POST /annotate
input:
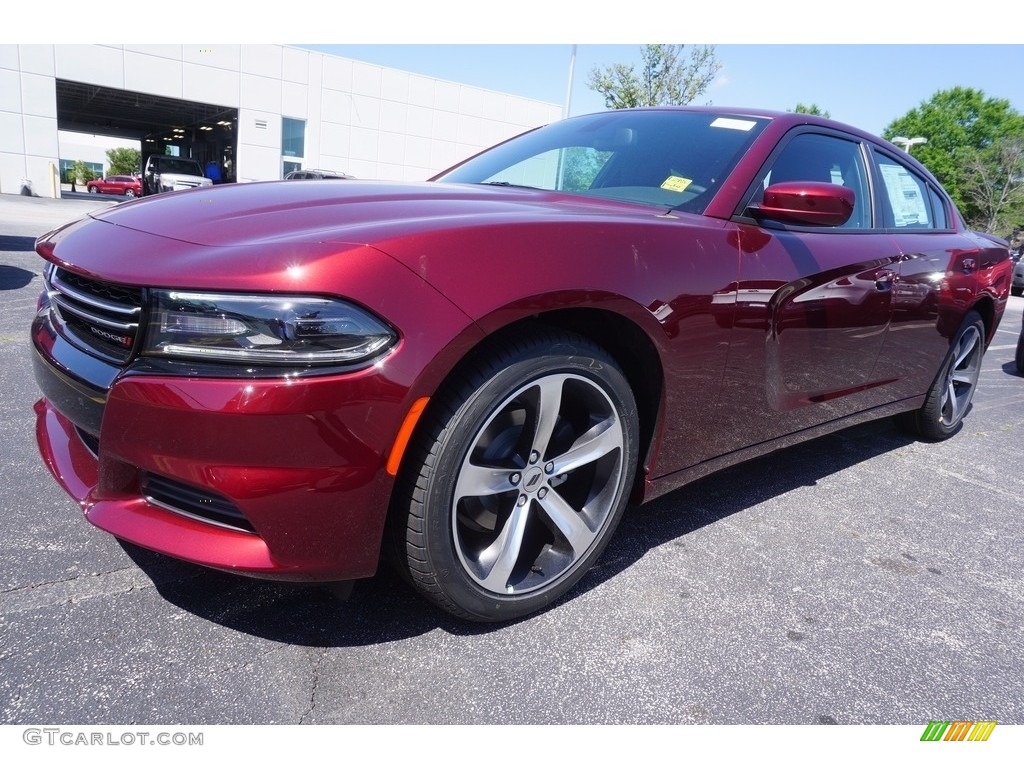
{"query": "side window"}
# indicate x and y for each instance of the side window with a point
(817, 157)
(939, 211)
(908, 200)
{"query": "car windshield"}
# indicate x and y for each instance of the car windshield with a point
(661, 157)
(180, 165)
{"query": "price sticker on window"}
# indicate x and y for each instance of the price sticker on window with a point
(676, 183)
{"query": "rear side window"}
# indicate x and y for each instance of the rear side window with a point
(939, 211)
(908, 201)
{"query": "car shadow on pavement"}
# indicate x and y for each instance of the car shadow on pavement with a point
(384, 608)
(17, 243)
(13, 278)
(381, 609)
(721, 494)
(1011, 368)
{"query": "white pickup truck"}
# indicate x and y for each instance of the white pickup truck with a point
(166, 173)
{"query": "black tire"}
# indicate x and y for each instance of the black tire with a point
(950, 396)
(499, 510)
(1017, 291)
(1019, 359)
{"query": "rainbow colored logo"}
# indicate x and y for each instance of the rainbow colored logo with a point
(958, 730)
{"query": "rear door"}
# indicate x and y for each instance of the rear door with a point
(939, 273)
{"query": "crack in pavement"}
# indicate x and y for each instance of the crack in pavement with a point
(316, 684)
(74, 590)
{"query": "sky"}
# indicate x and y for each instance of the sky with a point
(865, 85)
(866, 63)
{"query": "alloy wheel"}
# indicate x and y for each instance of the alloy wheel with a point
(961, 377)
(539, 484)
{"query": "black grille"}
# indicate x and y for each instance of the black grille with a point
(194, 502)
(126, 295)
(98, 317)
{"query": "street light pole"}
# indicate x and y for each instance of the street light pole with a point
(908, 143)
(568, 88)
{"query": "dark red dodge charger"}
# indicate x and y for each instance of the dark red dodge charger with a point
(478, 373)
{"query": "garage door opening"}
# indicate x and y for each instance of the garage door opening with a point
(206, 133)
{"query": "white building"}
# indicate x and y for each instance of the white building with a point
(257, 110)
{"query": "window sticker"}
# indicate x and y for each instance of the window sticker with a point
(732, 122)
(676, 183)
(909, 208)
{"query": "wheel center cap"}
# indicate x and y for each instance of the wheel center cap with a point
(533, 480)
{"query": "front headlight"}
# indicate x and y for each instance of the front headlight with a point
(263, 329)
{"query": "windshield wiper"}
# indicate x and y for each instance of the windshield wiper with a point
(507, 184)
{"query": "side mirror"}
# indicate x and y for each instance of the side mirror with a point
(806, 202)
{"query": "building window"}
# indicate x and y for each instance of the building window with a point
(67, 170)
(293, 137)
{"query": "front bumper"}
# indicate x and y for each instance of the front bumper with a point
(300, 463)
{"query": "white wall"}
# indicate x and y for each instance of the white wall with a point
(90, 147)
(362, 119)
(28, 118)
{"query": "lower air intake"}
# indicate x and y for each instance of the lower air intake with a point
(195, 503)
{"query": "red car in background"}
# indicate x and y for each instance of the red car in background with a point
(478, 373)
(129, 186)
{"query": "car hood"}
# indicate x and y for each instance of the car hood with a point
(355, 212)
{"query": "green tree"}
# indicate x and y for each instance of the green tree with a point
(994, 186)
(82, 172)
(580, 166)
(124, 161)
(667, 77)
(964, 129)
(810, 109)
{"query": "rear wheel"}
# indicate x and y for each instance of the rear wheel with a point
(950, 396)
(129, 193)
(519, 478)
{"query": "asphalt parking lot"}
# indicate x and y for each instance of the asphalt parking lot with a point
(863, 578)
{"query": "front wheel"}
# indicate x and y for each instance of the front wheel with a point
(94, 190)
(129, 193)
(519, 478)
(950, 396)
